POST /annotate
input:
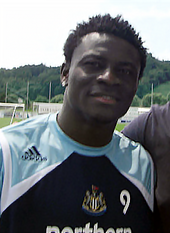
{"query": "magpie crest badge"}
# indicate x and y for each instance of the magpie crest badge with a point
(94, 203)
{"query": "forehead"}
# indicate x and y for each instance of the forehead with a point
(106, 45)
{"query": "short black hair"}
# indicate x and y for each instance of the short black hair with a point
(105, 24)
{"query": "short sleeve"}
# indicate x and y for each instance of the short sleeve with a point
(1, 174)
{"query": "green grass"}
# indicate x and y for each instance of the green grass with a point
(120, 126)
(6, 121)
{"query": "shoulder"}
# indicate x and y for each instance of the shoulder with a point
(24, 134)
(158, 123)
(27, 124)
(152, 130)
(21, 137)
(27, 129)
(160, 112)
(147, 124)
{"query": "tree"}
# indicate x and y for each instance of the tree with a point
(12, 98)
(146, 101)
(57, 99)
(158, 98)
(41, 98)
(59, 89)
(168, 96)
(136, 101)
(2, 97)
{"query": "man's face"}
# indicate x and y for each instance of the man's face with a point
(103, 77)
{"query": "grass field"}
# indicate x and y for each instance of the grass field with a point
(6, 121)
(120, 126)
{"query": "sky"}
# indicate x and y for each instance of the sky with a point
(34, 31)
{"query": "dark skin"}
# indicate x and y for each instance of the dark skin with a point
(101, 81)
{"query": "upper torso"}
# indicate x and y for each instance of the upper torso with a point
(54, 184)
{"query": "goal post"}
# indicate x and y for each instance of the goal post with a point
(11, 110)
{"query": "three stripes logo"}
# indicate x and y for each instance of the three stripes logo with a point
(32, 154)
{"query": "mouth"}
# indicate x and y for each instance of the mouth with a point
(105, 98)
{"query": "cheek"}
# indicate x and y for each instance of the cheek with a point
(74, 82)
(78, 82)
(76, 74)
(75, 90)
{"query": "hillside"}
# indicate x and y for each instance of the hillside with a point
(39, 78)
(163, 88)
(156, 72)
(15, 81)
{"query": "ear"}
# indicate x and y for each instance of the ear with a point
(64, 74)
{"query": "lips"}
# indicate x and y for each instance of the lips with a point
(104, 98)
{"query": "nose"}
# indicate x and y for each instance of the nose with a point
(108, 77)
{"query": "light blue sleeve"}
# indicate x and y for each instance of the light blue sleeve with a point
(1, 173)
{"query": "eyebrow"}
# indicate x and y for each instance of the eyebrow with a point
(93, 55)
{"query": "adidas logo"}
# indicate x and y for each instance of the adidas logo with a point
(32, 154)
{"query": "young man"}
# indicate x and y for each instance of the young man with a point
(69, 172)
(152, 130)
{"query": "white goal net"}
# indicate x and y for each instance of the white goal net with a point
(12, 110)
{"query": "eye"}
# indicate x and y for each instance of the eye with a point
(124, 71)
(94, 64)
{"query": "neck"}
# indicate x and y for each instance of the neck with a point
(84, 131)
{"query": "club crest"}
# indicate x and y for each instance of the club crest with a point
(94, 203)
